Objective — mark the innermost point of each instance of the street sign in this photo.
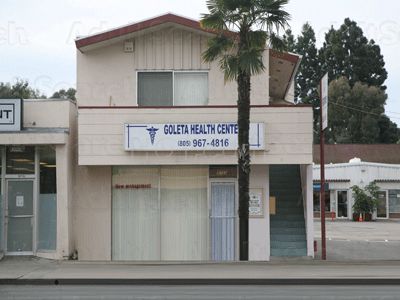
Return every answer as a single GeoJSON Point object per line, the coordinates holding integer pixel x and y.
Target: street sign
{"type": "Point", "coordinates": [324, 101]}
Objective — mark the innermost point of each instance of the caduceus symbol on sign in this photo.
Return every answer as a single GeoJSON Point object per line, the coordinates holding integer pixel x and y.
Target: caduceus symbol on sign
{"type": "Point", "coordinates": [152, 132]}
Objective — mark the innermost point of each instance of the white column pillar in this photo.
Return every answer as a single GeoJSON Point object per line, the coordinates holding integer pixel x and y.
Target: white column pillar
{"type": "Point", "coordinates": [259, 239]}
{"type": "Point", "coordinates": [63, 203]}
{"type": "Point", "coordinates": [310, 212]}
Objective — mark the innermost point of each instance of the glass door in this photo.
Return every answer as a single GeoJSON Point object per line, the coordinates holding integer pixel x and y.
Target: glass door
{"type": "Point", "coordinates": [19, 216]}
{"type": "Point", "coordinates": [223, 215]}
{"type": "Point", "coordinates": [342, 204]}
{"type": "Point", "coordinates": [382, 209]}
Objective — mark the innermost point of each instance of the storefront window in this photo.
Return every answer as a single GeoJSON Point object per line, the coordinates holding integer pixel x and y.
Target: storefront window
{"type": "Point", "coordinates": [160, 213]}
{"type": "Point", "coordinates": [317, 206]}
{"type": "Point", "coordinates": [47, 220]}
{"type": "Point", "coordinates": [20, 160]}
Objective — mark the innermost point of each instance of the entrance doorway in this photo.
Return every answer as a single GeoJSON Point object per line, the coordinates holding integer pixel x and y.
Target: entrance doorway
{"type": "Point", "coordinates": [19, 217]}
{"type": "Point", "coordinates": [223, 217]}
{"type": "Point", "coordinates": [382, 209]}
{"type": "Point", "coordinates": [342, 204]}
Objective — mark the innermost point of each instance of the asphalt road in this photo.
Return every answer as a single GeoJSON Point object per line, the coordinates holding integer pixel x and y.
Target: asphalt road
{"type": "Point", "coordinates": [198, 292]}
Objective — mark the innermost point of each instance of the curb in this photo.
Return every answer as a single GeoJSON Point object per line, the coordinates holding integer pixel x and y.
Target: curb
{"type": "Point", "coordinates": [186, 281]}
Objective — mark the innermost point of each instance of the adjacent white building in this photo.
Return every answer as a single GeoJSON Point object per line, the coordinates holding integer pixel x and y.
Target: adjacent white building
{"type": "Point", "coordinates": [341, 176]}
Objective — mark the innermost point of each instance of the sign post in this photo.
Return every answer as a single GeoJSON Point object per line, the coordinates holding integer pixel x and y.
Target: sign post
{"type": "Point", "coordinates": [323, 126]}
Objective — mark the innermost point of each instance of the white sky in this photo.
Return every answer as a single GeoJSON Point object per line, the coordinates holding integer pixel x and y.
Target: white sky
{"type": "Point", "coordinates": [37, 36]}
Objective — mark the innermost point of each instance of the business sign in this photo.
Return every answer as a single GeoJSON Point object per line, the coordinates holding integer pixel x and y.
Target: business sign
{"type": "Point", "coordinates": [10, 114]}
{"type": "Point", "coordinates": [324, 101]}
{"type": "Point", "coordinates": [189, 137]}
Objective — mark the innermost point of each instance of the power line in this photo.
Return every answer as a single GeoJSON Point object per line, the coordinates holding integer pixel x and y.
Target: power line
{"type": "Point", "coordinates": [360, 110]}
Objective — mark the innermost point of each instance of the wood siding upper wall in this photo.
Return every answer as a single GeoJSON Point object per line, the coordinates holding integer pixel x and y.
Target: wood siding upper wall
{"type": "Point", "coordinates": [170, 49]}
{"type": "Point", "coordinates": [107, 76]}
{"type": "Point", "coordinates": [288, 136]}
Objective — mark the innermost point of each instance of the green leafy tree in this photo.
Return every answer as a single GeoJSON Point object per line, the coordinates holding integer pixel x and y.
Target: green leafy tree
{"type": "Point", "coordinates": [347, 52]}
{"type": "Point", "coordinates": [365, 200]}
{"type": "Point", "coordinates": [20, 89]}
{"type": "Point", "coordinates": [65, 94]}
{"type": "Point", "coordinates": [356, 114]}
{"type": "Point", "coordinates": [389, 133]}
{"type": "Point", "coordinates": [242, 29]}
{"type": "Point", "coordinates": [290, 41]}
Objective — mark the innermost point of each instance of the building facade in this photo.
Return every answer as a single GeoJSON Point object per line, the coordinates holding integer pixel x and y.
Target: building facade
{"type": "Point", "coordinates": [370, 163]}
{"type": "Point", "coordinates": [155, 175]}
{"type": "Point", "coordinates": [37, 171]}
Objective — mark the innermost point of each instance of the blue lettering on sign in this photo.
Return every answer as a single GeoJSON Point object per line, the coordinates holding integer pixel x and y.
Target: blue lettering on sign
{"type": "Point", "coordinates": [200, 129]}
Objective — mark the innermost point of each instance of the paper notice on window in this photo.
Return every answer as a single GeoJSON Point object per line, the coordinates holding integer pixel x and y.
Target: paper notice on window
{"type": "Point", "coordinates": [19, 201]}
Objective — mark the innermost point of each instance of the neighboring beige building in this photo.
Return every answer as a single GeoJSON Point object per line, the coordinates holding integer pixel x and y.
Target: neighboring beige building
{"type": "Point", "coordinates": [155, 176]}
{"type": "Point", "coordinates": [37, 173]}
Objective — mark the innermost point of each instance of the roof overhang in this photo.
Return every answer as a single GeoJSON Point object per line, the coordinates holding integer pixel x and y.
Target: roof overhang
{"type": "Point", "coordinates": [42, 136]}
{"type": "Point", "coordinates": [282, 70]}
{"type": "Point", "coordinates": [135, 29]}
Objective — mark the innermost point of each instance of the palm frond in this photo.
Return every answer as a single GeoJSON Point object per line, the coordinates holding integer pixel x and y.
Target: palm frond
{"type": "Point", "coordinates": [276, 42]}
{"type": "Point", "coordinates": [251, 62]}
{"type": "Point", "coordinates": [217, 46]}
{"type": "Point", "coordinates": [230, 66]}
{"type": "Point", "coordinates": [257, 39]}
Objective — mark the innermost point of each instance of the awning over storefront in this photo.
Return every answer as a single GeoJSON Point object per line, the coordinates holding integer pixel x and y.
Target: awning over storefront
{"type": "Point", "coordinates": [317, 187]}
{"type": "Point", "coordinates": [42, 136]}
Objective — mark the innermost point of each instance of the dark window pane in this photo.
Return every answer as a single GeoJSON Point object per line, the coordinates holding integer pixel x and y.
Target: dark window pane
{"type": "Point", "coordinates": [48, 183]}
{"type": "Point", "coordinates": [47, 221]}
{"type": "Point", "coordinates": [155, 89]}
{"type": "Point", "coordinates": [20, 160]}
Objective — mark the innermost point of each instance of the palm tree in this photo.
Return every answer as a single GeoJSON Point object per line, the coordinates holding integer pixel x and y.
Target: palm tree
{"type": "Point", "coordinates": [242, 30]}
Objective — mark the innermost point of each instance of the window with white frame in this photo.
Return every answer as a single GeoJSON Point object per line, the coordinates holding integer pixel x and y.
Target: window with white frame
{"type": "Point", "coordinates": [172, 88]}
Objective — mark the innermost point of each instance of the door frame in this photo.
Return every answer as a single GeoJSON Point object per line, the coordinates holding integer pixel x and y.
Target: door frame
{"type": "Point", "coordinates": [337, 204]}
{"type": "Point", "coordinates": [387, 206]}
{"type": "Point", "coordinates": [236, 228]}
{"type": "Point", "coordinates": [15, 178]}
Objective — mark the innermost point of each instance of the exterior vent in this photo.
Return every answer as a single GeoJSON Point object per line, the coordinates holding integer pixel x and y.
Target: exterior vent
{"type": "Point", "coordinates": [129, 46]}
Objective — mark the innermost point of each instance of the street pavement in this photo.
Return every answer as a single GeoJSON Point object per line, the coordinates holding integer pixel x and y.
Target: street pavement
{"type": "Point", "coordinates": [349, 241]}
{"type": "Point", "coordinates": [41, 271]}
{"type": "Point", "coordinates": [198, 292]}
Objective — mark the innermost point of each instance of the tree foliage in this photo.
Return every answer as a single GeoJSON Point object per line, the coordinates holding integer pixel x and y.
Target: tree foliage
{"type": "Point", "coordinates": [65, 94]}
{"type": "Point", "coordinates": [20, 89]}
{"type": "Point", "coordinates": [242, 30]}
{"type": "Point", "coordinates": [357, 72]}
{"type": "Point", "coordinates": [365, 200]}
{"type": "Point", "coordinates": [356, 114]}
{"type": "Point", "coordinates": [347, 52]}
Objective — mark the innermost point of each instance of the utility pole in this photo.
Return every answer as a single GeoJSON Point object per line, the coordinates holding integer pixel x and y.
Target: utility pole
{"type": "Point", "coordinates": [323, 125]}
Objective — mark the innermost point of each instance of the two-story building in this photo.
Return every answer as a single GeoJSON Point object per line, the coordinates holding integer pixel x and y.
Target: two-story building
{"type": "Point", "coordinates": [157, 150]}
{"type": "Point", "coordinates": [155, 177]}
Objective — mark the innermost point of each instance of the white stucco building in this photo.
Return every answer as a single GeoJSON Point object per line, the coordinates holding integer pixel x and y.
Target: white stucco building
{"type": "Point", "coordinates": [370, 163]}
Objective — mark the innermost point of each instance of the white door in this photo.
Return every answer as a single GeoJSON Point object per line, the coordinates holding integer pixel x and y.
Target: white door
{"type": "Point", "coordinates": [223, 215]}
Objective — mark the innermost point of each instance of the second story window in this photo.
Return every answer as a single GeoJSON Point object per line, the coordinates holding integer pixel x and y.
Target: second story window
{"type": "Point", "coordinates": [172, 88]}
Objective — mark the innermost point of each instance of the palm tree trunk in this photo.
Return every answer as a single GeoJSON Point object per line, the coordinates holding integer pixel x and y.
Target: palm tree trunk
{"type": "Point", "coordinates": [243, 82]}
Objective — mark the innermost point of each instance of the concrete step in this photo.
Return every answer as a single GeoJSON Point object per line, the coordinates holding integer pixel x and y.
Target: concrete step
{"type": "Point", "coordinates": [275, 244]}
{"type": "Point", "coordinates": [285, 217]}
{"type": "Point", "coordinates": [289, 252]}
{"type": "Point", "coordinates": [288, 237]}
{"type": "Point", "coordinates": [288, 231]}
{"type": "Point", "coordinates": [283, 224]}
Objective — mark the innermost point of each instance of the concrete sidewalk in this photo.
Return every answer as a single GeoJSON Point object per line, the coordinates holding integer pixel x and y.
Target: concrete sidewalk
{"type": "Point", "coordinates": [40, 271]}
